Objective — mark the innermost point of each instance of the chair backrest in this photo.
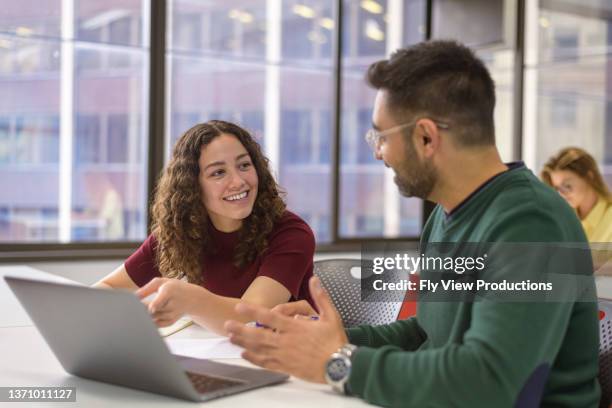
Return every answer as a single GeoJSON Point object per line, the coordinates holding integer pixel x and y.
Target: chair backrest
{"type": "Point", "coordinates": [343, 277]}
{"type": "Point", "coordinates": [605, 351]}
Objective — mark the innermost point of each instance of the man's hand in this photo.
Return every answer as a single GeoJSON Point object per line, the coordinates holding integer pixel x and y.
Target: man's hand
{"type": "Point", "coordinates": [298, 309]}
{"type": "Point", "coordinates": [300, 347]}
{"type": "Point", "coordinates": [174, 299]}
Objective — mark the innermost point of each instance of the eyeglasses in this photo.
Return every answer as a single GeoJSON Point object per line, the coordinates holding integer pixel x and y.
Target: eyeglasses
{"type": "Point", "coordinates": [564, 188]}
{"type": "Point", "coordinates": [376, 138]}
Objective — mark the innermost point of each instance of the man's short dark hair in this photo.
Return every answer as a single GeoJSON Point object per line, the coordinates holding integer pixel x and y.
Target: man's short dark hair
{"type": "Point", "coordinates": [443, 80]}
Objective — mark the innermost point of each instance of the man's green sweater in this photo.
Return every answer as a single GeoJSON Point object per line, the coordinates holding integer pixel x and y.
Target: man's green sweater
{"type": "Point", "coordinates": [488, 353]}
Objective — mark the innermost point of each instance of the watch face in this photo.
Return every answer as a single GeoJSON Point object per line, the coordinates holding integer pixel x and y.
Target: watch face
{"type": "Point", "coordinates": [337, 369]}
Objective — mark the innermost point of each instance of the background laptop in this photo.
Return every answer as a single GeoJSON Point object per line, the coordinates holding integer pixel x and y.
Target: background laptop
{"type": "Point", "coordinates": [107, 335]}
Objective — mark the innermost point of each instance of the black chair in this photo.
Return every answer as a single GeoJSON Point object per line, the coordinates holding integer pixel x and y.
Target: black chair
{"type": "Point", "coordinates": [605, 351]}
{"type": "Point", "coordinates": [343, 280]}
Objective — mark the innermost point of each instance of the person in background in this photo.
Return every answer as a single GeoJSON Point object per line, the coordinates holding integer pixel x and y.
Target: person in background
{"type": "Point", "coordinates": [574, 174]}
{"type": "Point", "coordinates": [103, 209]}
{"type": "Point", "coordinates": [221, 234]}
{"type": "Point", "coordinates": [110, 211]}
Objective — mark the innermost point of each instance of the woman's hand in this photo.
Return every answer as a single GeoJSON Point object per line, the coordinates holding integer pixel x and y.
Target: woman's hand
{"type": "Point", "coordinates": [174, 299]}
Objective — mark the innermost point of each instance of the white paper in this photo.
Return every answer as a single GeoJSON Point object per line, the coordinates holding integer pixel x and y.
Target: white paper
{"type": "Point", "coordinates": [218, 347]}
{"type": "Point", "coordinates": [177, 326]}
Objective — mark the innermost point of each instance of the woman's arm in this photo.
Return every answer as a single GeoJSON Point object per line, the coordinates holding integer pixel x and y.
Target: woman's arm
{"type": "Point", "coordinates": [118, 279]}
{"type": "Point", "coordinates": [263, 291]}
{"type": "Point", "coordinates": [176, 298]}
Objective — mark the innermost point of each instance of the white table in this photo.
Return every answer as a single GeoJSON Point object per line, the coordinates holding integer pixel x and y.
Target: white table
{"type": "Point", "coordinates": [27, 361]}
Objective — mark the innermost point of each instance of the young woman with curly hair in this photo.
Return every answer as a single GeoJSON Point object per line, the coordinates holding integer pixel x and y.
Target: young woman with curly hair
{"type": "Point", "coordinates": [220, 234]}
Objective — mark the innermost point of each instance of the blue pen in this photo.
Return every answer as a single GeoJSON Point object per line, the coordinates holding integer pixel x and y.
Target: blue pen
{"type": "Point", "coordinates": [313, 317]}
{"type": "Point", "coordinates": [257, 324]}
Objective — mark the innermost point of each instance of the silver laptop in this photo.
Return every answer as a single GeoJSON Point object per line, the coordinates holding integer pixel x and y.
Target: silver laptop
{"type": "Point", "coordinates": [107, 335]}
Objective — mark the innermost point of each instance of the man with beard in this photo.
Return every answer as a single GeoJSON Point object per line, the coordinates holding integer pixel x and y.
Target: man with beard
{"type": "Point", "coordinates": [433, 125]}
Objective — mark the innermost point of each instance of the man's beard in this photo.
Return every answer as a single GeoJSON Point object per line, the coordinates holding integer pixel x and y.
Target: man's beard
{"type": "Point", "coordinates": [415, 178]}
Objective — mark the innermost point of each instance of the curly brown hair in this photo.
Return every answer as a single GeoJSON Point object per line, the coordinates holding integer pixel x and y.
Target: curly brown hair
{"type": "Point", "coordinates": [180, 222]}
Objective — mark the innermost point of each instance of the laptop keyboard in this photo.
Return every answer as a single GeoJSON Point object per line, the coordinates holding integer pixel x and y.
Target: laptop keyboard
{"type": "Point", "coordinates": [205, 383]}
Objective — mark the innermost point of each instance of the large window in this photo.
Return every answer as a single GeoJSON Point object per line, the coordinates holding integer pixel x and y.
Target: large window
{"type": "Point", "coordinates": [569, 81]}
{"type": "Point", "coordinates": [72, 120]}
{"type": "Point", "coordinates": [77, 77]}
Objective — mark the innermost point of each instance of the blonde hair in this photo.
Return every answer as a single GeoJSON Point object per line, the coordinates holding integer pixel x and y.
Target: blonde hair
{"type": "Point", "coordinates": [581, 163]}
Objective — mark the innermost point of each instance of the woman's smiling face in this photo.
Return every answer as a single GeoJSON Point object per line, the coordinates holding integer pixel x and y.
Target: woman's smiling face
{"type": "Point", "coordinates": [229, 182]}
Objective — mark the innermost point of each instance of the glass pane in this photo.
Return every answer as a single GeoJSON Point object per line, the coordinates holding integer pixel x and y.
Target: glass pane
{"type": "Point", "coordinates": [226, 98]}
{"type": "Point", "coordinates": [500, 63]}
{"type": "Point", "coordinates": [31, 17]}
{"type": "Point", "coordinates": [29, 139]}
{"type": "Point", "coordinates": [308, 30]}
{"type": "Point", "coordinates": [109, 173]}
{"type": "Point", "coordinates": [224, 66]}
{"type": "Point", "coordinates": [235, 28]}
{"type": "Point", "coordinates": [574, 82]}
{"type": "Point", "coordinates": [86, 95]}
{"type": "Point", "coordinates": [103, 21]}
{"type": "Point", "coordinates": [370, 205]}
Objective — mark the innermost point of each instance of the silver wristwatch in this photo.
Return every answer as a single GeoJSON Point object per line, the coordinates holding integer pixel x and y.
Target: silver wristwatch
{"type": "Point", "coordinates": [338, 368]}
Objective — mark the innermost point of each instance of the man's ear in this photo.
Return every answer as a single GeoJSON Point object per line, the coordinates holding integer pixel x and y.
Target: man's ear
{"type": "Point", "coordinates": [428, 137]}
